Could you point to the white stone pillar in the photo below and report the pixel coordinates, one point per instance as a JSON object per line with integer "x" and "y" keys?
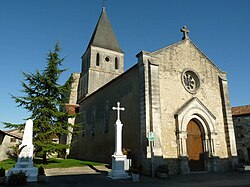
{"x": 118, "y": 159}
{"x": 183, "y": 143}
{"x": 25, "y": 157}
{"x": 118, "y": 138}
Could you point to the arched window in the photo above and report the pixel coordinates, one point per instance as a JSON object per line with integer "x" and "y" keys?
{"x": 116, "y": 63}
{"x": 97, "y": 59}
{"x": 84, "y": 122}
{"x": 93, "y": 121}
{"x": 106, "y": 117}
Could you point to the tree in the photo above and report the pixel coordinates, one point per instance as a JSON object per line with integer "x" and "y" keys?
{"x": 44, "y": 97}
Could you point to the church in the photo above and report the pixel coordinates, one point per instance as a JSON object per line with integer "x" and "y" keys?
{"x": 176, "y": 92}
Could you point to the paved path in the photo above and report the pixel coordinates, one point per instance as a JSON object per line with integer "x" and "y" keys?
{"x": 97, "y": 177}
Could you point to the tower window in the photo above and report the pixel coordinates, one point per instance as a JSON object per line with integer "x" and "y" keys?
{"x": 116, "y": 63}
{"x": 97, "y": 59}
{"x": 107, "y": 59}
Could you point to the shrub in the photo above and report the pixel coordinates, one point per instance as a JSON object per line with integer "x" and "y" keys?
{"x": 136, "y": 169}
{"x": 2, "y": 172}
{"x": 163, "y": 168}
{"x": 41, "y": 170}
{"x": 17, "y": 179}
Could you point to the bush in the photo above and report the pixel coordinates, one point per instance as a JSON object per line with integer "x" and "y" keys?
{"x": 13, "y": 152}
{"x": 41, "y": 170}
{"x": 163, "y": 168}
{"x": 2, "y": 172}
{"x": 136, "y": 169}
{"x": 17, "y": 179}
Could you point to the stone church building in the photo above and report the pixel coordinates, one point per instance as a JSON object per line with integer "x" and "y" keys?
{"x": 177, "y": 92}
{"x": 241, "y": 120}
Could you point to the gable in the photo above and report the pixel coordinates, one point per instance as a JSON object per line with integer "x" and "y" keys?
{"x": 185, "y": 46}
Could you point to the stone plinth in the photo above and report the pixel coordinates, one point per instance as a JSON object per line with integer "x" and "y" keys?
{"x": 183, "y": 165}
{"x": 118, "y": 171}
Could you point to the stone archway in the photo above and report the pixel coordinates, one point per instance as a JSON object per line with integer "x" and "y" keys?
{"x": 195, "y": 149}
{"x": 196, "y": 112}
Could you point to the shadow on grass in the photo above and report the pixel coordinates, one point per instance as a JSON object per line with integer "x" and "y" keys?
{"x": 49, "y": 161}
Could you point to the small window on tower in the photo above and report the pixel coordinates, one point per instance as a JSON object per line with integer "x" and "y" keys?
{"x": 116, "y": 63}
{"x": 107, "y": 59}
{"x": 97, "y": 59}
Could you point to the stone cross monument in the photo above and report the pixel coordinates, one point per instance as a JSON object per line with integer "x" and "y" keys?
{"x": 118, "y": 158}
{"x": 25, "y": 157}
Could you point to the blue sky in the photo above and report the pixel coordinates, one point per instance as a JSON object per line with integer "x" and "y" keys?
{"x": 29, "y": 29}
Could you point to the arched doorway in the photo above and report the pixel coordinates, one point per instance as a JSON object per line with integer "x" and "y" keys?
{"x": 195, "y": 149}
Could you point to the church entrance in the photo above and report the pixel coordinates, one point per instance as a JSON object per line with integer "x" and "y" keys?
{"x": 195, "y": 146}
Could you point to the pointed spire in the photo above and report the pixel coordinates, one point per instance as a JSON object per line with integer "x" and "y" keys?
{"x": 103, "y": 35}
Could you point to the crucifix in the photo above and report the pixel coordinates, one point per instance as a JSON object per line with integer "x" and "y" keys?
{"x": 185, "y": 32}
{"x": 118, "y": 132}
{"x": 118, "y": 110}
{"x": 118, "y": 159}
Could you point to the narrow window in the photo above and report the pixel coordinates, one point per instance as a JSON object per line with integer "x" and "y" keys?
{"x": 84, "y": 123}
{"x": 116, "y": 63}
{"x": 97, "y": 59}
{"x": 106, "y": 117}
{"x": 93, "y": 122}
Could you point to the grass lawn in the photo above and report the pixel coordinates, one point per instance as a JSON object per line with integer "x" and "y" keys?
{"x": 52, "y": 163}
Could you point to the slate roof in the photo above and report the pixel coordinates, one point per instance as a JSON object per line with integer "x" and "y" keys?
{"x": 241, "y": 110}
{"x": 103, "y": 35}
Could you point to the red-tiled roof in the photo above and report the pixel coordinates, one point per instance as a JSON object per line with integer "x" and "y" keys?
{"x": 241, "y": 110}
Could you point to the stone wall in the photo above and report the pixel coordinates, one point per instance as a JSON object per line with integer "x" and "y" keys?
{"x": 6, "y": 142}
{"x": 96, "y": 119}
{"x": 242, "y": 134}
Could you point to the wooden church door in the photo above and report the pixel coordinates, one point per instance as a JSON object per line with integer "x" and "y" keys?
{"x": 195, "y": 147}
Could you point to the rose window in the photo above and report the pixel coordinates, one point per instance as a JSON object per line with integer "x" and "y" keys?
{"x": 190, "y": 81}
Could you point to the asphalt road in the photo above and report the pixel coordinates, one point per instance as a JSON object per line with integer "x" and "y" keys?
{"x": 97, "y": 177}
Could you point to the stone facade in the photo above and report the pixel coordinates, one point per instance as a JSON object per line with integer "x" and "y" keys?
{"x": 9, "y": 139}
{"x": 163, "y": 92}
{"x": 71, "y": 107}
{"x": 241, "y": 120}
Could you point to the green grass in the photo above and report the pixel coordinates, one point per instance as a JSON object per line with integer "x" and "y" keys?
{"x": 52, "y": 163}
{"x": 7, "y": 164}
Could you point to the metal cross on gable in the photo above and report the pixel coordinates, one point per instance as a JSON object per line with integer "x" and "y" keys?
{"x": 118, "y": 108}
{"x": 185, "y": 32}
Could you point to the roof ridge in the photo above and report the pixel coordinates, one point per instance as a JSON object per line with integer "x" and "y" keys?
{"x": 241, "y": 110}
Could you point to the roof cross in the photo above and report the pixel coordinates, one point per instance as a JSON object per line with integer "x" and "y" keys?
{"x": 118, "y": 110}
{"x": 185, "y": 32}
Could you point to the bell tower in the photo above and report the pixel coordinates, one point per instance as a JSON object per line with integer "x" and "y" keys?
{"x": 103, "y": 59}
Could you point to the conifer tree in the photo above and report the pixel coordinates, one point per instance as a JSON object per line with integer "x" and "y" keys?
{"x": 44, "y": 97}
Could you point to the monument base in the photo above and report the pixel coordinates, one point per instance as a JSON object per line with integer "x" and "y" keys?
{"x": 30, "y": 172}
{"x": 118, "y": 171}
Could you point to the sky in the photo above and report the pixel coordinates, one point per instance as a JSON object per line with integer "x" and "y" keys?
{"x": 29, "y": 30}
